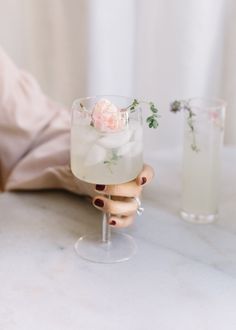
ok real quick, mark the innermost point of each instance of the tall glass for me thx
(107, 149)
(203, 137)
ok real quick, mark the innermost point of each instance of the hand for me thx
(122, 206)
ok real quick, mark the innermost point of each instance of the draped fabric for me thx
(34, 136)
(154, 49)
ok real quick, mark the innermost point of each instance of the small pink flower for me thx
(214, 115)
(106, 117)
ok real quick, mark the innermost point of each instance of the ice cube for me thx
(132, 149)
(125, 149)
(115, 140)
(96, 154)
(84, 133)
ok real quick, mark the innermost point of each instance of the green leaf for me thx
(149, 119)
(155, 124)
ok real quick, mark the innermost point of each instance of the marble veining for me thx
(182, 278)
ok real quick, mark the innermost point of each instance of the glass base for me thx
(121, 247)
(198, 218)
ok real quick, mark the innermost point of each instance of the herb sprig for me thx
(183, 105)
(152, 119)
(152, 123)
(133, 105)
(112, 161)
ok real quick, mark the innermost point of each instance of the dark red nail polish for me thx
(99, 202)
(112, 222)
(100, 187)
(144, 180)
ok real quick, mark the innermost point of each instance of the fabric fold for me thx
(34, 136)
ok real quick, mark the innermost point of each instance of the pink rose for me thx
(106, 117)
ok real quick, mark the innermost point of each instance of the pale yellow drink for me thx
(103, 158)
(201, 165)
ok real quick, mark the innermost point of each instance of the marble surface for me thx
(182, 278)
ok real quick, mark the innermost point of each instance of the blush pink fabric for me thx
(34, 136)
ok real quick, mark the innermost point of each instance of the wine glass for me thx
(107, 149)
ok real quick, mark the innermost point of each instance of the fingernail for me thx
(99, 202)
(100, 187)
(144, 180)
(112, 222)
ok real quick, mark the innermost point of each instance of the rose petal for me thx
(106, 117)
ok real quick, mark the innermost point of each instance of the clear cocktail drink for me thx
(106, 158)
(201, 161)
(107, 149)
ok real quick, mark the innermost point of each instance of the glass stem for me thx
(106, 230)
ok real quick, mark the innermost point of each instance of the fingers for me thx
(128, 189)
(145, 176)
(121, 222)
(126, 207)
(122, 207)
(123, 212)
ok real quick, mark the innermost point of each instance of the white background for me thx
(153, 49)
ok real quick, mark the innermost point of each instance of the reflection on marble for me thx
(182, 278)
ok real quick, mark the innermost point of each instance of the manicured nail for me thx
(144, 180)
(112, 222)
(99, 202)
(100, 187)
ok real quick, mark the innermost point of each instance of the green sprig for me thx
(152, 119)
(112, 161)
(183, 105)
(133, 106)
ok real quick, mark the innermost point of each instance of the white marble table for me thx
(182, 278)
